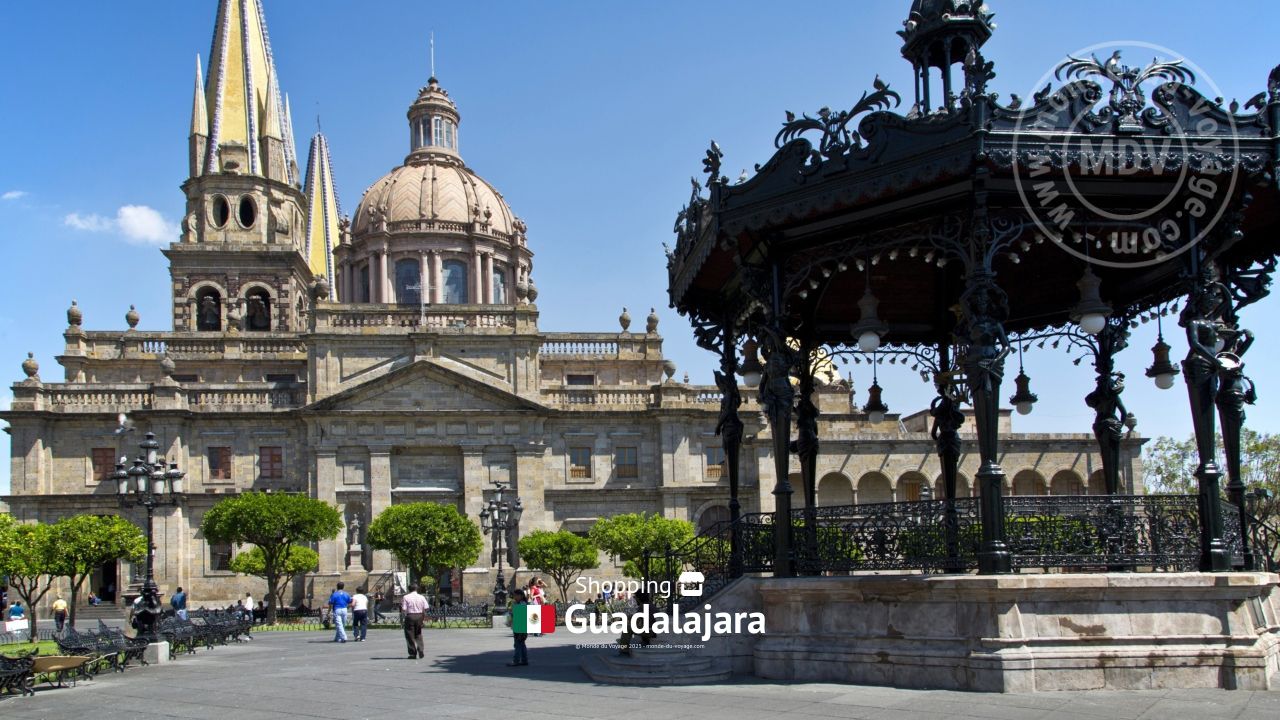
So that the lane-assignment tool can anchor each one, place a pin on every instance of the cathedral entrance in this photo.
(104, 581)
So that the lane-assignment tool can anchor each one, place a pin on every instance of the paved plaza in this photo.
(303, 675)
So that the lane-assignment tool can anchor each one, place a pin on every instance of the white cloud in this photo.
(138, 224)
(13, 195)
(145, 225)
(91, 223)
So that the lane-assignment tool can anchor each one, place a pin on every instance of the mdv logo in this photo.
(690, 583)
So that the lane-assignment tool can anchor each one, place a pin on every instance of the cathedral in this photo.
(394, 356)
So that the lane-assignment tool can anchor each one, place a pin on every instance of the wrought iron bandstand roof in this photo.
(1121, 168)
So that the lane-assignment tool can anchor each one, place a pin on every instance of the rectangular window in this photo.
(281, 377)
(271, 462)
(104, 463)
(580, 462)
(715, 462)
(220, 557)
(185, 378)
(219, 463)
(624, 460)
(579, 379)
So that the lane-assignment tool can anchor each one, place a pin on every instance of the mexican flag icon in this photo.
(534, 619)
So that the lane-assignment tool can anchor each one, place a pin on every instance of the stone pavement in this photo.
(303, 675)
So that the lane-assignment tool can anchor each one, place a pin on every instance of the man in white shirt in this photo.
(359, 615)
(246, 609)
(413, 609)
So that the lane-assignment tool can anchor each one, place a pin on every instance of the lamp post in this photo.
(498, 519)
(148, 484)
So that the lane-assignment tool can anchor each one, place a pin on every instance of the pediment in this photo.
(425, 386)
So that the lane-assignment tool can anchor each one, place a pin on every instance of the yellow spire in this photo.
(199, 118)
(242, 96)
(290, 147)
(323, 211)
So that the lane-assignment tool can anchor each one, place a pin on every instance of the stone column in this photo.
(380, 497)
(424, 278)
(324, 487)
(437, 272)
(384, 283)
(477, 581)
(487, 277)
(478, 283)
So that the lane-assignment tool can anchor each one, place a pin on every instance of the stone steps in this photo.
(655, 667)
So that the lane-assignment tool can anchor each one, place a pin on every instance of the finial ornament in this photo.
(31, 367)
(651, 323)
(132, 317)
(74, 315)
(624, 320)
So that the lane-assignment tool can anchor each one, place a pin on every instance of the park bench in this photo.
(464, 614)
(16, 674)
(60, 668)
(180, 634)
(130, 648)
(91, 644)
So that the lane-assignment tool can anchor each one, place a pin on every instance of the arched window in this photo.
(1066, 482)
(834, 489)
(454, 279)
(362, 282)
(499, 285)
(1029, 482)
(874, 488)
(209, 310)
(711, 517)
(909, 486)
(257, 316)
(408, 282)
(437, 130)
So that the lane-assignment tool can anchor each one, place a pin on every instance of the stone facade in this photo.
(406, 364)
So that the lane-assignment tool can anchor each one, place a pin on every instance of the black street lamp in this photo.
(499, 519)
(150, 485)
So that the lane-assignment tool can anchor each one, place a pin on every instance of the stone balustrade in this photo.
(580, 348)
(106, 345)
(125, 398)
(701, 397)
(374, 317)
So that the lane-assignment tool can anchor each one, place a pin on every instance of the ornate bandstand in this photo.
(954, 237)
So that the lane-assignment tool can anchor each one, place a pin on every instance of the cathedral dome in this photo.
(431, 231)
(432, 193)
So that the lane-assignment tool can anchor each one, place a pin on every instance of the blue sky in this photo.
(588, 117)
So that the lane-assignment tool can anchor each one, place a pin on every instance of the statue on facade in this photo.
(353, 533)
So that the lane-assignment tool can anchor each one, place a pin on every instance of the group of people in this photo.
(535, 593)
(342, 604)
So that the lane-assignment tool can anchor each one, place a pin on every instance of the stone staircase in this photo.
(656, 666)
(94, 613)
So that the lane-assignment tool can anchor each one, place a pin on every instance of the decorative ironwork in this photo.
(1144, 532)
(710, 552)
(837, 138)
(1127, 99)
(890, 536)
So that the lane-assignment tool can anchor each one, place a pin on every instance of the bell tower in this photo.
(241, 262)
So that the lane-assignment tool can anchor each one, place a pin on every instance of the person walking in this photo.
(413, 609)
(359, 615)
(518, 605)
(179, 603)
(246, 606)
(339, 601)
(59, 613)
(376, 606)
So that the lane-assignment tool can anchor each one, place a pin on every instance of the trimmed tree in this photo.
(299, 560)
(629, 537)
(276, 523)
(84, 542)
(427, 537)
(27, 558)
(562, 555)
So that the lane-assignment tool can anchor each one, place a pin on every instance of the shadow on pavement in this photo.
(560, 663)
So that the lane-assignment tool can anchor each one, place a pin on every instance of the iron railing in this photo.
(1075, 533)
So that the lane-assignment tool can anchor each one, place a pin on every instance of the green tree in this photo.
(84, 542)
(276, 523)
(27, 558)
(562, 555)
(299, 560)
(427, 537)
(629, 537)
(1170, 465)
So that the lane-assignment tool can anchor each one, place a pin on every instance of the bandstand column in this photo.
(984, 305)
(947, 420)
(1109, 411)
(806, 448)
(730, 430)
(1200, 370)
(1234, 391)
(777, 396)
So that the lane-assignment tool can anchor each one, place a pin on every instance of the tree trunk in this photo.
(75, 593)
(272, 578)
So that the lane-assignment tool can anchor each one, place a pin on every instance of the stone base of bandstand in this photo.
(1010, 633)
(1015, 633)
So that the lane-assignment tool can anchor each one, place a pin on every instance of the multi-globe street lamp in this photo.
(148, 484)
(500, 518)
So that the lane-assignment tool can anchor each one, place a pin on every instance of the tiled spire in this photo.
(322, 211)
